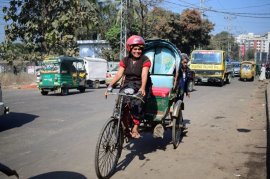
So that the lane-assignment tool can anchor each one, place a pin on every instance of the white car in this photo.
(110, 75)
(3, 109)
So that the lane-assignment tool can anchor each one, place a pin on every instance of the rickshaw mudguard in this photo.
(177, 107)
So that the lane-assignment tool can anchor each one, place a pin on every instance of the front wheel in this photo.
(82, 89)
(108, 149)
(228, 79)
(177, 129)
(44, 92)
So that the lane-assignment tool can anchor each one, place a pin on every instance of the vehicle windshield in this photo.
(236, 65)
(115, 68)
(246, 66)
(206, 58)
(51, 66)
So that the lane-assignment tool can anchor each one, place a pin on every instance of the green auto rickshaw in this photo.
(59, 74)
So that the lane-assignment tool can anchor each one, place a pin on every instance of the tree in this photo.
(249, 54)
(47, 26)
(224, 41)
(194, 30)
(187, 30)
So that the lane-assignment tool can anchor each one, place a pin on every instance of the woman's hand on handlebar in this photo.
(142, 91)
(108, 90)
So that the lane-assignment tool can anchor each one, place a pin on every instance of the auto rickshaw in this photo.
(247, 70)
(61, 74)
(163, 109)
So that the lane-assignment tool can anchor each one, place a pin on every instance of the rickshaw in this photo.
(61, 74)
(247, 70)
(162, 109)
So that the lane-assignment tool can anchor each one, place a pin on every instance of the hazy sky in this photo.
(236, 16)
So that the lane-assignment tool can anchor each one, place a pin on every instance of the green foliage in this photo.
(52, 27)
(113, 36)
(225, 41)
(47, 26)
(249, 54)
(18, 52)
(186, 31)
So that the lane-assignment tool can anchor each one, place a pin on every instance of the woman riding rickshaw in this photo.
(146, 101)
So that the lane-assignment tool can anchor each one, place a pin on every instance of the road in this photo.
(55, 136)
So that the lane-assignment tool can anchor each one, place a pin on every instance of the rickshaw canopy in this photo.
(164, 56)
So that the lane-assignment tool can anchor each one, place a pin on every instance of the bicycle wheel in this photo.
(108, 149)
(177, 129)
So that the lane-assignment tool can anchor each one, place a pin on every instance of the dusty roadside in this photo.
(227, 138)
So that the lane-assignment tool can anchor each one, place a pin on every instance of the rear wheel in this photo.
(221, 83)
(82, 89)
(108, 149)
(177, 129)
(64, 91)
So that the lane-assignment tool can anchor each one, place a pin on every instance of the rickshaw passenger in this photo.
(135, 67)
(182, 78)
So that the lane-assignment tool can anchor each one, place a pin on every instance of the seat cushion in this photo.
(161, 92)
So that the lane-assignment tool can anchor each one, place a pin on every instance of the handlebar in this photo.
(137, 95)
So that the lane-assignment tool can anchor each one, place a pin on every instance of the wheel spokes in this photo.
(108, 148)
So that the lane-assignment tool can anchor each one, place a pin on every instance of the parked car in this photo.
(3, 109)
(110, 75)
(236, 68)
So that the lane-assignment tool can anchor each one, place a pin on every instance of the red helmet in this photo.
(133, 41)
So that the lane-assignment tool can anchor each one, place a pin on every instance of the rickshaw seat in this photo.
(160, 92)
(162, 85)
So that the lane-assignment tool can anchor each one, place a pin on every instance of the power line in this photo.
(239, 14)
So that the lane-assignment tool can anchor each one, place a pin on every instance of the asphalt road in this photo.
(55, 136)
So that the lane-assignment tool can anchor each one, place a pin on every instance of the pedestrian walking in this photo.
(262, 75)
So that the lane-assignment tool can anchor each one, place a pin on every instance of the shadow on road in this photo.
(14, 119)
(59, 175)
(70, 93)
(8, 171)
(147, 144)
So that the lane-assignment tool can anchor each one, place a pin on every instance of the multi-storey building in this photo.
(258, 43)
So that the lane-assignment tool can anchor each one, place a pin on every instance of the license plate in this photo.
(204, 80)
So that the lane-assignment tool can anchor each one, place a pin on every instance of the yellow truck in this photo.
(210, 66)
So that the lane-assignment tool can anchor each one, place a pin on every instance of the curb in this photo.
(267, 131)
(31, 86)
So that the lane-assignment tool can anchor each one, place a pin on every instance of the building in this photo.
(258, 43)
(92, 48)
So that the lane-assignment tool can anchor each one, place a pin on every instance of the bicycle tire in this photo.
(177, 130)
(110, 147)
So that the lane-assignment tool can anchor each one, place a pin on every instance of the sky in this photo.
(234, 16)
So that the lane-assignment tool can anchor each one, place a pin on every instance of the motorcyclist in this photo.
(135, 68)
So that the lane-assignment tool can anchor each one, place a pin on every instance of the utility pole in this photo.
(201, 8)
(229, 28)
(123, 35)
